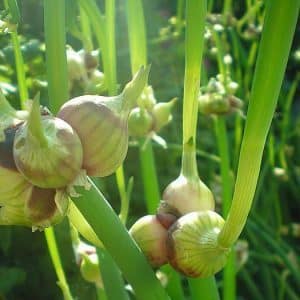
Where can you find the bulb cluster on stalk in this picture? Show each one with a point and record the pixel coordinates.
(43, 157)
(83, 71)
(149, 117)
(218, 96)
(184, 232)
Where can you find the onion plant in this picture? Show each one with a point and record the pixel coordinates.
(194, 240)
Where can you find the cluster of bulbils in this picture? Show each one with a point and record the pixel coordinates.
(218, 97)
(42, 157)
(149, 117)
(83, 73)
(184, 232)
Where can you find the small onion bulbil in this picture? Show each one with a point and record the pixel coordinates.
(102, 125)
(151, 237)
(47, 151)
(140, 122)
(185, 195)
(192, 244)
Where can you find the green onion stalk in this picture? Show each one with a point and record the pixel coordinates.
(56, 63)
(138, 56)
(279, 27)
(194, 44)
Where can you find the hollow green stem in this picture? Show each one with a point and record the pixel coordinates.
(194, 42)
(51, 242)
(111, 45)
(56, 62)
(281, 19)
(85, 30)
(229, 285)
(130, 260)
(137, 34)
(206, 288)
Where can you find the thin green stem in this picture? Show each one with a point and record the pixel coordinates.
(111, 45)
(123, 194)
(51, 242)
(281, 18)
(99, 25)
(285, 120)
(150, 181)
(137, 34)
(56, 62)
(229, 286)
(20, 68)
(85, 30)
(130, 260)
(227, 8)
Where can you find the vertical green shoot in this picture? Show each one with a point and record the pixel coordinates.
(194, 43)
(278, 31)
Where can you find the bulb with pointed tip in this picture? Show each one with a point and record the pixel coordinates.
(89, 269)
(102, 125)
(185, 195)
(151, 236)
(162, 113)
(192, 244)
(47, 150)
(140, 122)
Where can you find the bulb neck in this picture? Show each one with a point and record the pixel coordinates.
(189, 161)
(35, 128)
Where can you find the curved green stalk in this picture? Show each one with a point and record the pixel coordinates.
(229, 284)
(279, 27)
(195, 20)
(109, 229)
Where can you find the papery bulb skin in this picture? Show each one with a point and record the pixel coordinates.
(192, 244)
(162, 113)
(47, 151)
(140, 122)
(46, 207)
(6, 148)
(151, 236)
(102, 125)
(23, 204)
(185, 195)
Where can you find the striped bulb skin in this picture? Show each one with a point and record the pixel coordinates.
(102, 131)
(192, 244)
